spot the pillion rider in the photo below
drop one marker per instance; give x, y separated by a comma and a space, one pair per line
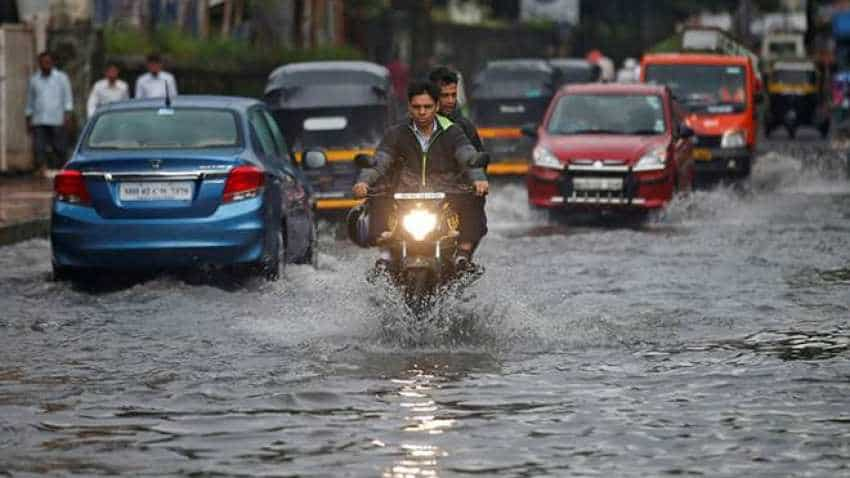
448, 80
430, 152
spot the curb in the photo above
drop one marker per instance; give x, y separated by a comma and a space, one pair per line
23, 231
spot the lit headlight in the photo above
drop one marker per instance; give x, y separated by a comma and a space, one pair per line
733, 139
654, 160
545, 159
419, 223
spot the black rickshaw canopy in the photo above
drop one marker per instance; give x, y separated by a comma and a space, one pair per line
328, 83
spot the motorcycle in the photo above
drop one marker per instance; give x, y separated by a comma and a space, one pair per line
422, 239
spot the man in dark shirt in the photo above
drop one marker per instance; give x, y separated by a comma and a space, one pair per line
447, 80
432, 152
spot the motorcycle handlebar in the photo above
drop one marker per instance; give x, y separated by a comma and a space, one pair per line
469, 191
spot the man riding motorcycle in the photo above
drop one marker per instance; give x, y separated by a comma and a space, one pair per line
431, 153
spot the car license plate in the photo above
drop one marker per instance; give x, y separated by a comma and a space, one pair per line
156, 191
702, 154
511, 109
598, 184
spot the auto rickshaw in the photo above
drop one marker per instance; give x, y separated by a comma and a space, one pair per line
797, 97
340, 107
507, 95
574, 70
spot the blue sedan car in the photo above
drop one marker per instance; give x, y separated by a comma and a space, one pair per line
194, 181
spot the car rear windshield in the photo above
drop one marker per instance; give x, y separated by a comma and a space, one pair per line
608, 114
164, 128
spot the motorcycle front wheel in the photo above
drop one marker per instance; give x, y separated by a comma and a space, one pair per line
418, 289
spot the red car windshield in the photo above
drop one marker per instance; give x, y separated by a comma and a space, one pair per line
608, 114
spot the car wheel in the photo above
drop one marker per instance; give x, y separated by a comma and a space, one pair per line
310, 256
792, 131
63, 274
824, 130
271, 268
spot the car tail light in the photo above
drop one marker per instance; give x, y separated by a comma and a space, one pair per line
244, 182
70, 186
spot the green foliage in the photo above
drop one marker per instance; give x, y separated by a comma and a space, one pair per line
216, 52
121, 40
367, 8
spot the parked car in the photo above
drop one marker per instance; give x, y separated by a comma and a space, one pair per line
197, 180
605, 147
342, 107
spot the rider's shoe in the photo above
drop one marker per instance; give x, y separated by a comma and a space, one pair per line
381, 269
465, 266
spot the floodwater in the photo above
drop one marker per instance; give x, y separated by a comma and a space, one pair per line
714, 341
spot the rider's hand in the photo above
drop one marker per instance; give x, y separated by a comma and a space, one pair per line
360, 190
481, 187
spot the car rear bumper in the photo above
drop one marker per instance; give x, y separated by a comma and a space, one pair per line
548, 188
81, 238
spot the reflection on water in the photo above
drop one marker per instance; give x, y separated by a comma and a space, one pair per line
838, 276
422, 416
416, 383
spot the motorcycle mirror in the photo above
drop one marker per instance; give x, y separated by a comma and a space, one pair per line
314, 159
363, 161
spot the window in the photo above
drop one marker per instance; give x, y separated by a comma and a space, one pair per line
165, 128
608, 114
263, 132
711, 88
280, 143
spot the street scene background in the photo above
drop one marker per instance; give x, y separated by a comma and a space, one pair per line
711, 340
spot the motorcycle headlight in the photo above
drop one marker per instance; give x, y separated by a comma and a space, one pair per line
545, 159
419, 223
733, 139
654, 160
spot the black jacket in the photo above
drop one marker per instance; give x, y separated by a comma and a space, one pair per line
443, 167
468, 128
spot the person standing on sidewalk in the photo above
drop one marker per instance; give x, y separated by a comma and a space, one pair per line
107, 90
156, 82
48, 111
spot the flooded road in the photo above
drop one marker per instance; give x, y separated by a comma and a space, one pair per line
714, 341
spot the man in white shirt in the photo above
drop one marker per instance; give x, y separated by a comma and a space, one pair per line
48, 111
107, 90
155, 82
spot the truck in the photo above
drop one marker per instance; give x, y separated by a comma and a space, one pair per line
717, 81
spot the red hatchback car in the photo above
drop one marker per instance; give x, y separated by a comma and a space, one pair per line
610, 147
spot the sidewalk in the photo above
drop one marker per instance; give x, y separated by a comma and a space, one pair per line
24, 208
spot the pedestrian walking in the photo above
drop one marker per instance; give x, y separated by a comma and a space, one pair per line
48, 112
107, 90
156, 82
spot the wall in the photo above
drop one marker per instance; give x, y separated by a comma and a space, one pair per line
469, 48
78, 51
465, 47
17, 62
